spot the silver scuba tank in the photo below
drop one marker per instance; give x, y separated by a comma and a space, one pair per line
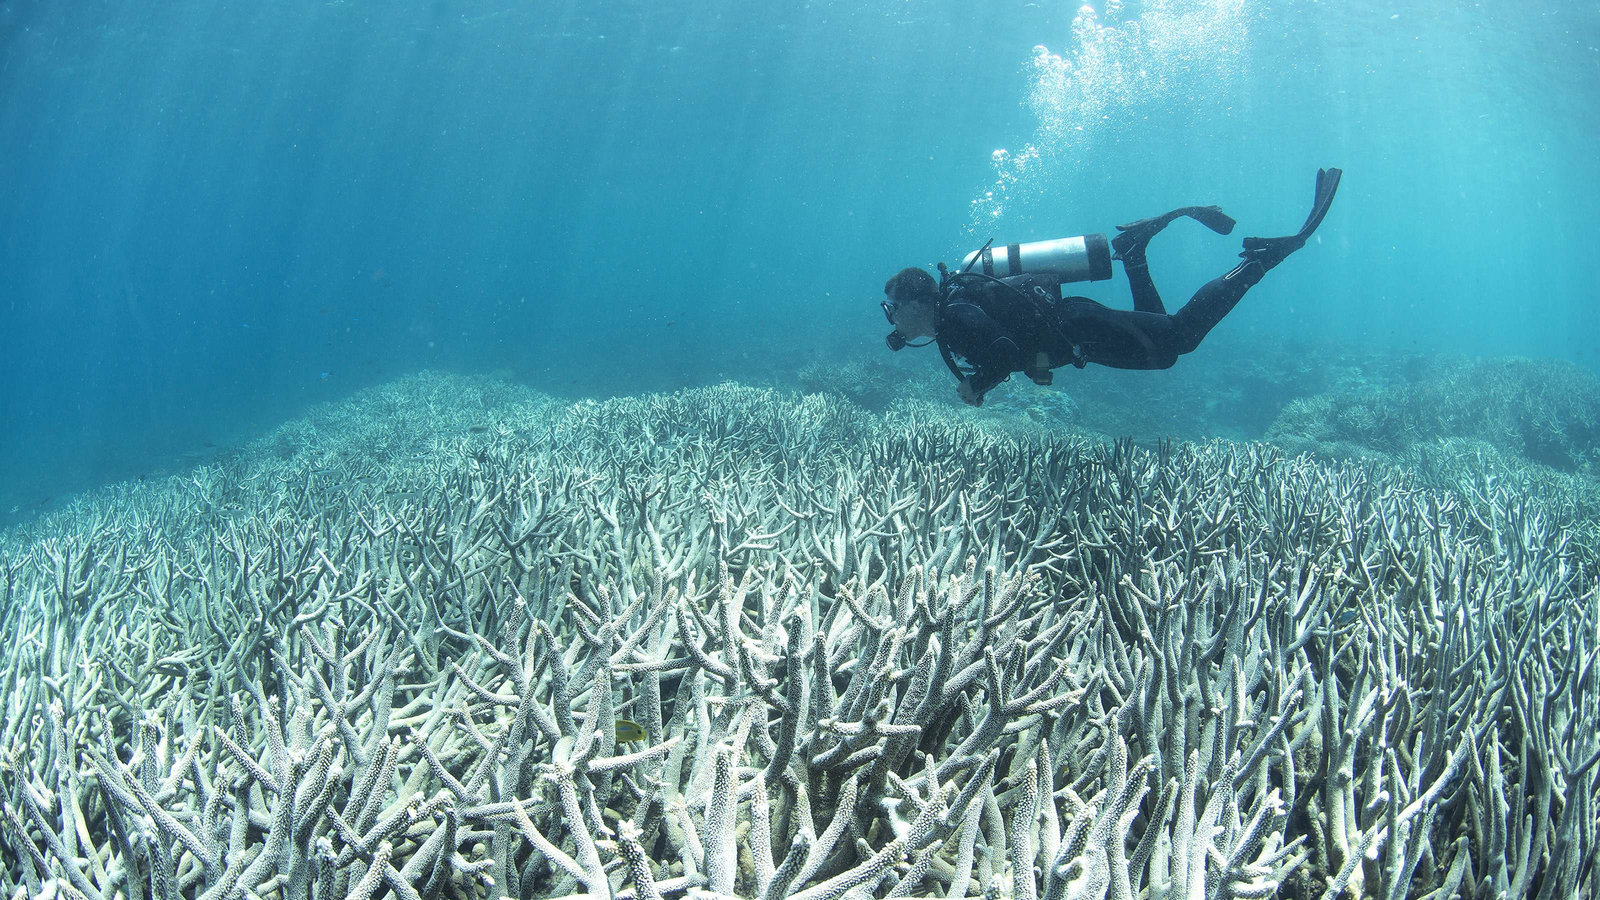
1086, 257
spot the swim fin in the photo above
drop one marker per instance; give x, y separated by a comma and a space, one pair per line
1271, 251
1135, 235
1211, 217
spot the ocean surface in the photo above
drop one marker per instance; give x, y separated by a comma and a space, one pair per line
215, 213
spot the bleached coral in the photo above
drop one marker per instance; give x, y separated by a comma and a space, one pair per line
903, 656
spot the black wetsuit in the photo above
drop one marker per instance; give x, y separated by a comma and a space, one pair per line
1026, 326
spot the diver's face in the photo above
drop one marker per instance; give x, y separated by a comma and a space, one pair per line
912, 318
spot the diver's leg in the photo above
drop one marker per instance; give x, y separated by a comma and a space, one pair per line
1119, 338
1133, 238
1215, 299
1218, 297
1145, 297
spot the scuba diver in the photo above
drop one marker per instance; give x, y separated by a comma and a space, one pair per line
1008, 315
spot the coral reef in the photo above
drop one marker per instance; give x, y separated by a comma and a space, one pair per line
452, 639
1545, 411
878, 381
1306, 397
1232, 388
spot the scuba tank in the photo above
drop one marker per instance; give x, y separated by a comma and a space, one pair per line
1083, 258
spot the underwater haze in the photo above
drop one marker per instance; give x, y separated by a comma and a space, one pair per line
212, 214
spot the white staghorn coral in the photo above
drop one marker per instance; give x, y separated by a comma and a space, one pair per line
870, 657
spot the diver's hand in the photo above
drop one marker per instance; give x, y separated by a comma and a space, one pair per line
968, 395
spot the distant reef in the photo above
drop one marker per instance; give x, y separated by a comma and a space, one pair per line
1304, 398
452, 638
1545, 412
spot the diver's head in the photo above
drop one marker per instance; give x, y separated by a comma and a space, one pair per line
912, 306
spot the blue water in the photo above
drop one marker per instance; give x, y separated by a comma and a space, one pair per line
213, 213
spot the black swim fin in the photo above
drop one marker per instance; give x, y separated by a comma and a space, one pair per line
1211, 217
1271, 251
1135, 235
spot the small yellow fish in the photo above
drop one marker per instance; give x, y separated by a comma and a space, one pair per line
629, 731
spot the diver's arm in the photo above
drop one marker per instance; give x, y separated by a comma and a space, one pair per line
979, 338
